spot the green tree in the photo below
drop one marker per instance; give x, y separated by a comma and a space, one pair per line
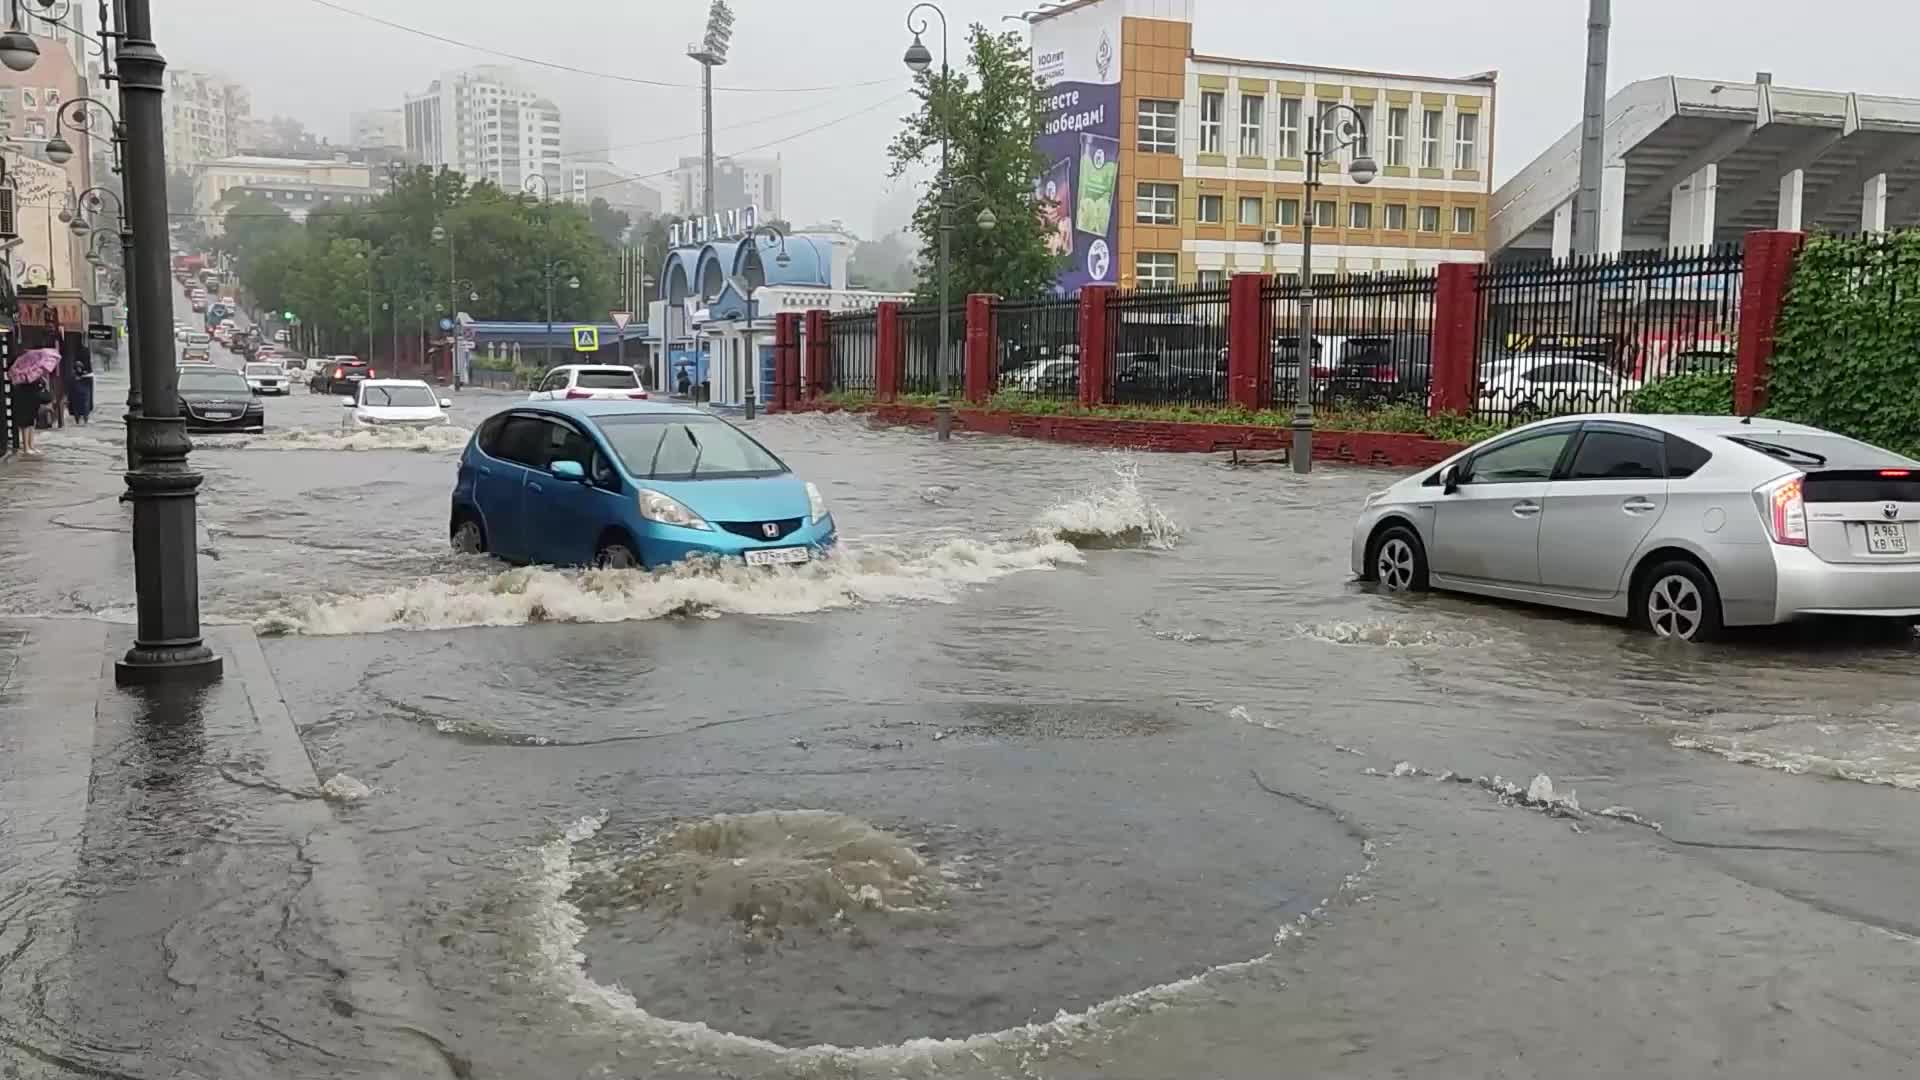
608, 224
989, 118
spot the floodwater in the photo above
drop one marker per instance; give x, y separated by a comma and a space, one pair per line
1071, 764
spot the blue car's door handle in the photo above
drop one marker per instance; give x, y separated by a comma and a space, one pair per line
533, 487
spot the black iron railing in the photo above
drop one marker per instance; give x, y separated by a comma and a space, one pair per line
1372, 340
1169, 347
920, 337
854, 339
1585, 334
1039, 347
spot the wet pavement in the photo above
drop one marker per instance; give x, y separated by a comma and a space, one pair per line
1071, 765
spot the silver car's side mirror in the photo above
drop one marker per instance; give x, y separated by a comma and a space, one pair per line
446, 403
347, 402
1450, 480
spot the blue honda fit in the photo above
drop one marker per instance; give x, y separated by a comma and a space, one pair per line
630, 484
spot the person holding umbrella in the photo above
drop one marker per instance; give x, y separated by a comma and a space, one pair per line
29, 378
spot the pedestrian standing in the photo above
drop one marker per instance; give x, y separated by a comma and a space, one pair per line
79, 373
29, 378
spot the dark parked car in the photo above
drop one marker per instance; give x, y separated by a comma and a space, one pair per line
214, 398
339, 377
1381, 369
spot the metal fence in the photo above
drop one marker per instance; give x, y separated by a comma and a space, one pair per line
1169, 347
920, 336
854, 338
1585, 334
1372, 342
1039, 343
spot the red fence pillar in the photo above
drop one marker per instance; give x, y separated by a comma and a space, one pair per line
1764, 278
981, 347
1248, 340
819, 359
888, 350
786, 361
1456, 324
1096, 352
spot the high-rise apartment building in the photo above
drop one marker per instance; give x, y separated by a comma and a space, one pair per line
737, 182
206, 116
590, 180
377, 129
483, 123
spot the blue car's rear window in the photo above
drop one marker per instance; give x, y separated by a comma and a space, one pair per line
676, 446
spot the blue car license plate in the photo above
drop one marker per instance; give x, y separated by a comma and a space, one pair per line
778, 556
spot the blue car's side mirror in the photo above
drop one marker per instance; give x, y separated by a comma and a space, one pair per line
568, 470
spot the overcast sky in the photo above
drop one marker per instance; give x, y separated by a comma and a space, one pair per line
319, 65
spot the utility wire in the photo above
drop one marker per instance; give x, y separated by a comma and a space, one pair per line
443, 39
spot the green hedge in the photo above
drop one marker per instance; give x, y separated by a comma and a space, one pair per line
1847, 347
1707, 393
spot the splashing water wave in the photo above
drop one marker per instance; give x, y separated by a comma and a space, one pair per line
418, 440
937, 571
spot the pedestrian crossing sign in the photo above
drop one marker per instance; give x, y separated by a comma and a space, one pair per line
586, 339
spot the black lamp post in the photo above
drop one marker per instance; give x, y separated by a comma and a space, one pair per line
918, 59
1346, 128
162, 488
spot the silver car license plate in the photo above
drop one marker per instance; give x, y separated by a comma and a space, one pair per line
778, 556
1886, 539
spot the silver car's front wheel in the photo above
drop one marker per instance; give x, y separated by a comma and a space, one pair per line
1394, 566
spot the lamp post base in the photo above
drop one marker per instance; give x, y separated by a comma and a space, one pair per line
942, 418
166, 569
1302, 453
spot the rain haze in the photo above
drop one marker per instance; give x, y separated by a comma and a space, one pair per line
319, 63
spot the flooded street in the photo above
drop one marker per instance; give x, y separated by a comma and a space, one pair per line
1070, 764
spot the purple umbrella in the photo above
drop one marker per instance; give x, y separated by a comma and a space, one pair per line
34, 365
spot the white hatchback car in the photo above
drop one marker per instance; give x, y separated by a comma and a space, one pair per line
398, 403
582, 382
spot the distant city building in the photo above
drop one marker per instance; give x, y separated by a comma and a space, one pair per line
214, 180
483, 123
377, 129
47, 253
590, 180
298, 199
895, 212
737, 182
208, 117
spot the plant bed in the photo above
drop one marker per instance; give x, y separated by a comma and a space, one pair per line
1337, 437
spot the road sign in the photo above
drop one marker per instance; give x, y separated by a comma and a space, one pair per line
586, 339
100, 332
621, 318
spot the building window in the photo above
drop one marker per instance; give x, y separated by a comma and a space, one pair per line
1253, 114
1286, 211
1250, 210
1430, 139
1360, 215
1159, 127
1155, 204
1213, 104
1363, 146
1463, 219
1325, 214
1154, 270
1396, 217
1289, 129
1210, 209
1466, 141
1211, 279
1397, 136
1429, 219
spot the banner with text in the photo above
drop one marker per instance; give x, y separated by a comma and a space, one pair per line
1077, 55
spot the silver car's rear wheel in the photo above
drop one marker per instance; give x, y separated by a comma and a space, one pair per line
1677, 600
1674, 608
1394, 566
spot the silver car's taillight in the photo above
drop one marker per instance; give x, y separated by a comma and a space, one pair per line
1784, 511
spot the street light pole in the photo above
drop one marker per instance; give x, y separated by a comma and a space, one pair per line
167, 645
918, 59
1349, 129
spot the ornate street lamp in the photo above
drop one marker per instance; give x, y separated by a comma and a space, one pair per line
1347, 129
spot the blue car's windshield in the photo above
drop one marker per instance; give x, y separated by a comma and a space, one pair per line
682, 447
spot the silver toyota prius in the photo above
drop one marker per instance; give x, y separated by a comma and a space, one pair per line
1682, 524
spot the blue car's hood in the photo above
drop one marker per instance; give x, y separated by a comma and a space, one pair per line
766, 498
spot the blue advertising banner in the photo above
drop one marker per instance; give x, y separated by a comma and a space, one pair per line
1077, 54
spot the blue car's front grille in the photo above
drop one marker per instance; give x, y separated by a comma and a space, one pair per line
762, 530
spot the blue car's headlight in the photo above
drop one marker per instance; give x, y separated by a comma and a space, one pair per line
816, 503
667, 510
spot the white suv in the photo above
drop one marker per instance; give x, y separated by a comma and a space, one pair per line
581, 382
